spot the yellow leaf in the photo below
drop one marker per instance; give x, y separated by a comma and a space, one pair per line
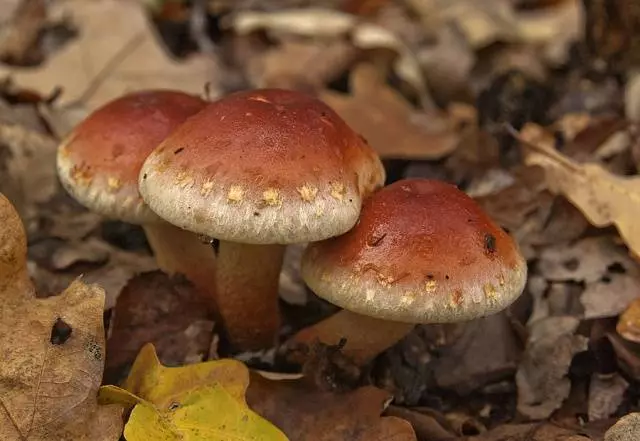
160, 385
52, 353
203, 401
604, 198
208, 413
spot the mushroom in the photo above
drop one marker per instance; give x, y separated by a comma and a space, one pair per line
422, 252
99, 163
258, 170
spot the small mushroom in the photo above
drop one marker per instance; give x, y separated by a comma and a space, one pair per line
258, 170
99, 163
422, 252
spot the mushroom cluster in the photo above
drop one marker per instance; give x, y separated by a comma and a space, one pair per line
258, 170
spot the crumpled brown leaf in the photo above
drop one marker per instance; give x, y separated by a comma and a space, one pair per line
155, 308
52, 355
604, 199
115, 42
388, 122
305, 414
626, 429
541, 377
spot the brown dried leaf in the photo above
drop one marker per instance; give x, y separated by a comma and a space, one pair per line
154, 308
626, 429
388, 122
305, 414
604, 199
541, 377
53, 355
115, 43
529, 432
629, 322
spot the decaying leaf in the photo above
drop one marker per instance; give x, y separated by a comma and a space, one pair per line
530, 432
201, 402
626, 429
168, 312
388, 122
611, 278
541, 377
629, 322
604, 199
52, 356
115, 42
305, 414
321, 23
27, 165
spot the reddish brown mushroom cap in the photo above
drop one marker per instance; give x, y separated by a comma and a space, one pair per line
422, 252
262, 166
99, 162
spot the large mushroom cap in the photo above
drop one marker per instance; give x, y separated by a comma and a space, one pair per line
262, 166
422, 252
99, 162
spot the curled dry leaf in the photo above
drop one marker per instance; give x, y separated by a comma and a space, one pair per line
155, 308
541, 377
629, 322
116, 43
626, 429
306, 414
321, 23
393, 127
199, 402
605, 199
52, 354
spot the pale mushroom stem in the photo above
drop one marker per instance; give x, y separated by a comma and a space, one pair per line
366, 337
247, 282
181, 252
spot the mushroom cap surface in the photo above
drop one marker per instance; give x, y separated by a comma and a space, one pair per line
422, 252
99, 161
264, 166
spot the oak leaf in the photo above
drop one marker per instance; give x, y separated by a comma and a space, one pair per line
388, 122
604, 198
308, 414
201, 402
52, 353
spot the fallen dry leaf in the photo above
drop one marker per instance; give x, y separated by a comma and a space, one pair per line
541, 378
115, 43
155, 308
529, 432
27, 165
629, 322
626, 429
201, 402
321, 23
388, 122
53, 357
604, 199
305, 414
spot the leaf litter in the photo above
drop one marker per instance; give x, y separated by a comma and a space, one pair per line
433, 87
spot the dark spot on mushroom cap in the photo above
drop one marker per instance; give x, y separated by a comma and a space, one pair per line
144, 176
175, 152
490, 243
60, 332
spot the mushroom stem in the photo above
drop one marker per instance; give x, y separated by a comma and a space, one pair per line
247, 283
181, 252
366, 337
